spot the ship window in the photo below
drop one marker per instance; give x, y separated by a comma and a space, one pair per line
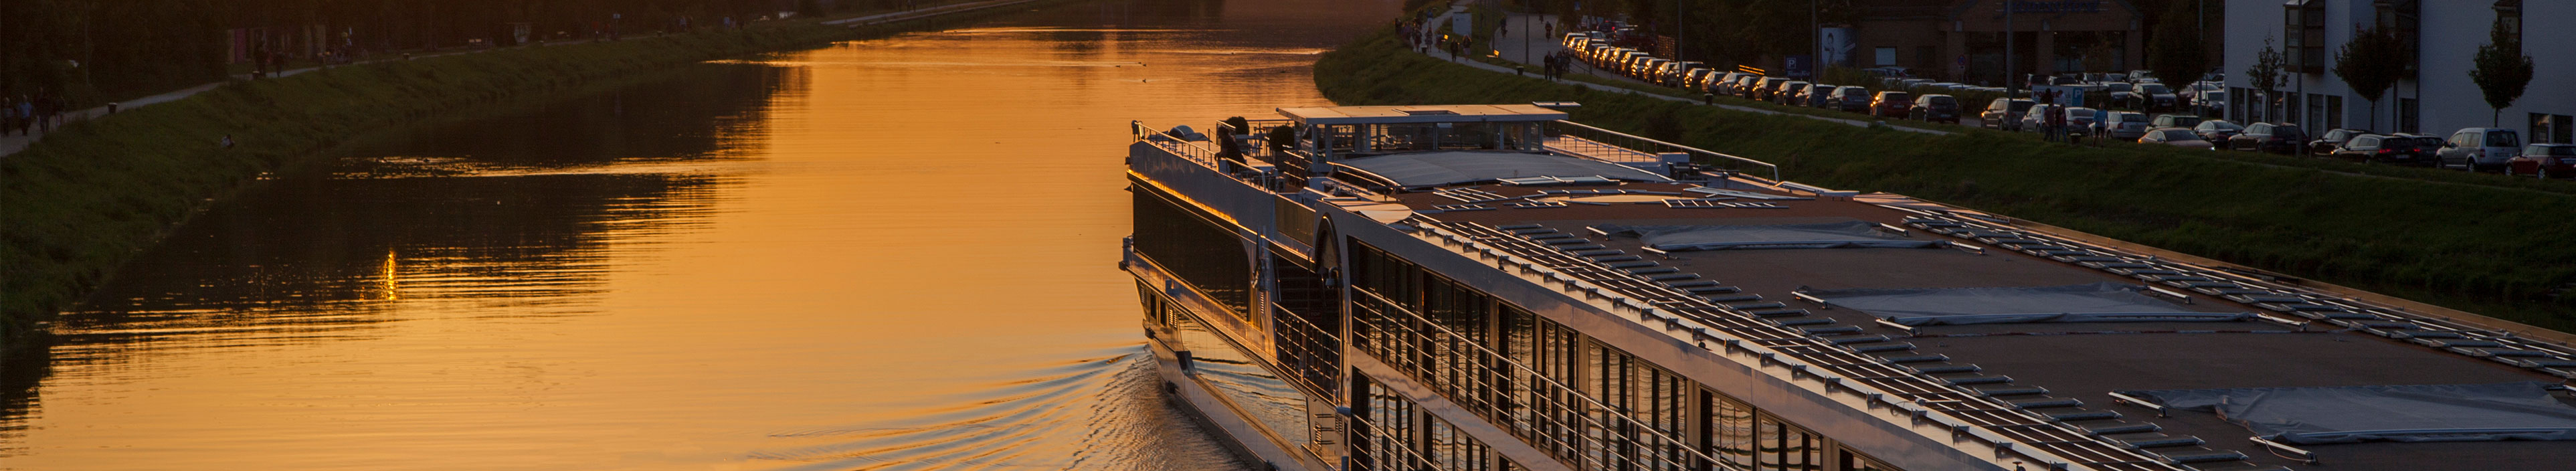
1853, 461
1730, 430
1781, 446
1195, 250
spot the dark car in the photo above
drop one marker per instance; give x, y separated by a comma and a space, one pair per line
2544, 161
1788, 93
2122, 94
1935, 108
1851, 99
1890, 104
2277, 138
1763, 89
1819, 95
2157, 97
2386, 149
2325, 144
2216, 130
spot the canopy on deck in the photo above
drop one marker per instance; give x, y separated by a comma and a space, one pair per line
2097, 302
1846, 234
2408, 413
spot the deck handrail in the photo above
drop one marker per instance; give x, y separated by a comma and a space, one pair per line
1773, 170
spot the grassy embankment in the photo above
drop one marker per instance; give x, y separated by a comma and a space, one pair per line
2471, 242
85, 199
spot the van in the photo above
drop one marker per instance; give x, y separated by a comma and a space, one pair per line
2480, 149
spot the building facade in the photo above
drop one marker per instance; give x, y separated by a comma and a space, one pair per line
1964, 40
2439, 97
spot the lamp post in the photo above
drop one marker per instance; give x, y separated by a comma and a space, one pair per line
2010, 86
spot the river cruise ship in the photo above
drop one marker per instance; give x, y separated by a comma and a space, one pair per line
1493, 287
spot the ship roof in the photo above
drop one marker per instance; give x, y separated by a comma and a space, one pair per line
1341, 115
2293, 334
1419, 169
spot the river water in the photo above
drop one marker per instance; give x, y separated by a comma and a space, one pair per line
884, 254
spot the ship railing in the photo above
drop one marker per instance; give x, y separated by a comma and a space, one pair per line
1401, 456
1551, 416
1264, 175
1602, 144
1311, 353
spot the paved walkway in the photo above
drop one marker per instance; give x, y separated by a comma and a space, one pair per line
13, 142
1531, 29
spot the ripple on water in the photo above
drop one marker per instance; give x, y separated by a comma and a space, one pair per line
1105, 412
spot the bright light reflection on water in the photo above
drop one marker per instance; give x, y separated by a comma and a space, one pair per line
893, 254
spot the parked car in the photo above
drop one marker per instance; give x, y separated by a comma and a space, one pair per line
2277, 138
2083, 120
1851, 99
2325, 144
2544, 160
2479, 149
2124, 126
1723, 84
1934, 108
2004, 113
2212, 102
1789, 92
2037, 116
2174, 121
1743, 85
2177, 137
1762, 88
2385, 149
1890, 104
2122, 94
1818, 96
2217, 130
1673, 73
2157, 97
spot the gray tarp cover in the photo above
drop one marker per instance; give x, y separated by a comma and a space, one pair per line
2097, 302
1853, 233
1453, 167
2418, 413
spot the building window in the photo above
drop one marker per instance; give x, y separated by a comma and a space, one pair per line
2407, 115
2509, 14
2334, 111
2316, 112
2552, 129
2288, 109
2304, 25
1886, 56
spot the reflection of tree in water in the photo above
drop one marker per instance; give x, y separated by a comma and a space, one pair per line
518, 218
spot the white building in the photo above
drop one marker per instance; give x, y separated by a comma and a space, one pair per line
2439, 99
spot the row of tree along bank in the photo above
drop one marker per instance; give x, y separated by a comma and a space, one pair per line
91, 195
2495, 250
90, 51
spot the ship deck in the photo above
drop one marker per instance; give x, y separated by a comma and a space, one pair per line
2305, 335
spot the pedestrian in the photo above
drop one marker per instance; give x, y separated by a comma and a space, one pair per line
43, 112
9, 116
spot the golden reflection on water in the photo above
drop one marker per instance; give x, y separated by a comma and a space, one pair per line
882, 254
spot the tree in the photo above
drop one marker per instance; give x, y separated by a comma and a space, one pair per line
2265, 75
2502, 71
2371, 62
2177, 54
